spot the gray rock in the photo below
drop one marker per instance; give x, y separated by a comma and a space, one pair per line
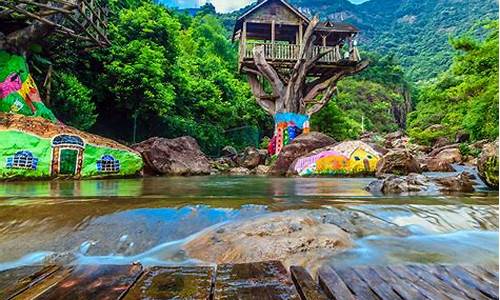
399, 162
178, 157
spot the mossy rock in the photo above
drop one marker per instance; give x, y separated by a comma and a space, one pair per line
487, 165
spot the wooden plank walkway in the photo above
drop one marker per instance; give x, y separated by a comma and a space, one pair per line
260, 281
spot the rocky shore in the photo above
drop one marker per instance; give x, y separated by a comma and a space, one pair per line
317, 154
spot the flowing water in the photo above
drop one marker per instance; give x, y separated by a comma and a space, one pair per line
150, 219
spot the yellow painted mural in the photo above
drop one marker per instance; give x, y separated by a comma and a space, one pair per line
347, 158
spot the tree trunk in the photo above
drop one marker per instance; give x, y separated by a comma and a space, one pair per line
294, 99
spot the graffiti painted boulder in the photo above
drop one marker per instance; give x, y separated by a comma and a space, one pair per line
175, 157
18, 92
348, 158
302, 145
35, 148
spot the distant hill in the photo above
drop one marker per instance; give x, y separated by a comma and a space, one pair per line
417, 32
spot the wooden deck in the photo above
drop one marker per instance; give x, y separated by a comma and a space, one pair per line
264, 280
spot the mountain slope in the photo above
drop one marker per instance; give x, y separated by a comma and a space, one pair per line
417, 32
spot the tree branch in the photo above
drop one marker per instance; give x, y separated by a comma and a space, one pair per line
323, 102
259, 93
271, 75
299, 72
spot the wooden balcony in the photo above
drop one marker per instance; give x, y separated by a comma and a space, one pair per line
82, 19
285, 55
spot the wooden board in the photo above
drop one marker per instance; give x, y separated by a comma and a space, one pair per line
307, 288
173, 283
260, 281
379, 286
333, 285
15, 281
94, 282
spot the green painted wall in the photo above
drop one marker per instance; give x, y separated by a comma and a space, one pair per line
14, 141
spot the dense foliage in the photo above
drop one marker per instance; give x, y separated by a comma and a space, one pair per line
464, 98
375, 100
166, 73
169, 73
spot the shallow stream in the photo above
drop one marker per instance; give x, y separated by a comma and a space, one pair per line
150, 219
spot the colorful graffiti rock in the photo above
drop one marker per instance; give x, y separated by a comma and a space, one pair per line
346, 158
18, 92
35, 148
287, 127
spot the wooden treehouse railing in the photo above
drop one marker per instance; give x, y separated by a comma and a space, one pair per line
82, 19
290, 52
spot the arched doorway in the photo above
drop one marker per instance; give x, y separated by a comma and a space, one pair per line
67, 155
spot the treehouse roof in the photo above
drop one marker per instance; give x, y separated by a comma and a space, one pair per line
285, 15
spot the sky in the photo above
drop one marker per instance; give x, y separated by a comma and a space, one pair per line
220, 5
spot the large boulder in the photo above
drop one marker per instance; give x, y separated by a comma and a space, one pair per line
294, 237
37, 148
398, 162
441, 142
176, 157
300, 146
435, 165
487, 165
347, 158
449, 155
460, 183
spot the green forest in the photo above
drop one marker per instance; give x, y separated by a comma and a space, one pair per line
168, 73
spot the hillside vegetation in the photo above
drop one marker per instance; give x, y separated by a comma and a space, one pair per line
169, 74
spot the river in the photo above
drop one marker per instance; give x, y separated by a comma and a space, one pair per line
150, 219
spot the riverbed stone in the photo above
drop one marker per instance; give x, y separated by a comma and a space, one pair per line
239, 171
450, 155
487, 165
398, 162
300, 146
174, 157
417, 183
460, 183
430, 164
293, 237
250, 158
262, 170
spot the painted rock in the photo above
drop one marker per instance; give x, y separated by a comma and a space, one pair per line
36, 148
346, 158
18, 92
302, 145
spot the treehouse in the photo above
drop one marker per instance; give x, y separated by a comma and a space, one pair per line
82, 19
301, 59
279, 28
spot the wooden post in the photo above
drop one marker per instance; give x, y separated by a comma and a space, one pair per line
324, 40
244, 37
273, 37
243, 43
301, 33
